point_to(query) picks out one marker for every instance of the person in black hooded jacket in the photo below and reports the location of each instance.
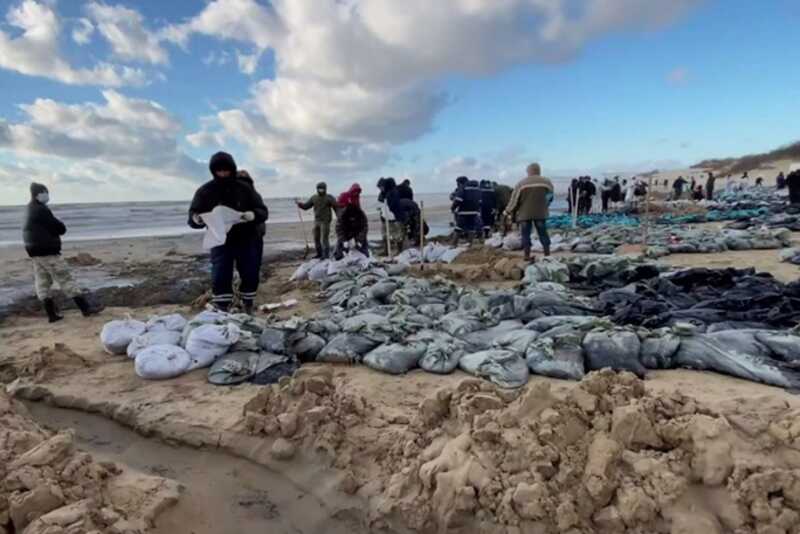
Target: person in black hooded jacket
(244, 245)
(405, 211)
(42, 236)
(404, 190)
(466, 208)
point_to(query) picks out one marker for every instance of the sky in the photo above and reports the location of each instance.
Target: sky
(109, 101)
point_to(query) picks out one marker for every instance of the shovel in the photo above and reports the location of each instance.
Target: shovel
(305, 235)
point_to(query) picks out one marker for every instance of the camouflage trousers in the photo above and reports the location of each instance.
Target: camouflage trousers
(52, 269)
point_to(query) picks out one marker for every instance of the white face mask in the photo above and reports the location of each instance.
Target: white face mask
(44, 198)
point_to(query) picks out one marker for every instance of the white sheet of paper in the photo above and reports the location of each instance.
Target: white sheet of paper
(218, 221)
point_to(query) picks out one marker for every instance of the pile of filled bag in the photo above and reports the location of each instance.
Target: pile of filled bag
(169, 346)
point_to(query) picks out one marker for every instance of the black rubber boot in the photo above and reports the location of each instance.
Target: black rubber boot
(52, 311)
(86, 308)
(248, 306)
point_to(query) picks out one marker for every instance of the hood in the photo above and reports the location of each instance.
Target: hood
(322, 185)
(355, 189)
(462, 180)
(222, 161)
(37, 188)
(245, 177)
(389, 184)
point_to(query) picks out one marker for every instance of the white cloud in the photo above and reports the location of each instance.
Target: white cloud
(82, 32)
(353, 78)
(138, 136)
(35, 52)
(248, 63)
(125, 31)
(239, 20)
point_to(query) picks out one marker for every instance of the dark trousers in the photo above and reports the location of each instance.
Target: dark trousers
(584, 205)
(526, 227)
(605, 196)
(246, 255)
(344, 235)
(468, 226)
(487, 216)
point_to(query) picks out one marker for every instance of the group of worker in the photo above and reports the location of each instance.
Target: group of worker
(476, 206)
(481, 207)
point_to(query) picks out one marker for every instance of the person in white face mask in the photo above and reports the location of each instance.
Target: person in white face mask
(42, 235)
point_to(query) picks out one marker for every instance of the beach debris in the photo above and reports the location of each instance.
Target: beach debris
(272, 306)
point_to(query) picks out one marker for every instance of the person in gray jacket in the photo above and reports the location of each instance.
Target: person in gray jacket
(530, 206)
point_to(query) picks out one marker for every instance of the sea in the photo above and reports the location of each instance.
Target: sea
(160, 219)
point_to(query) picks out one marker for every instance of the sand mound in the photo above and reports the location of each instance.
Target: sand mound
(606, 456)
(49, 487)
(42, 364)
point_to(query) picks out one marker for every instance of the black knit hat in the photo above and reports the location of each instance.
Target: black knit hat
(222, 161)
(37, 188)
(322, 185)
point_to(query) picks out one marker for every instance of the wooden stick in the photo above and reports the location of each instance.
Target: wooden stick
(305, 235)
(388, 234)
(421, 235)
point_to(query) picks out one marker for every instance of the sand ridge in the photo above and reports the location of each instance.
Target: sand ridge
(47, 486)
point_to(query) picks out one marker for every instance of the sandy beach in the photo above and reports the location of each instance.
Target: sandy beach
(380, 460)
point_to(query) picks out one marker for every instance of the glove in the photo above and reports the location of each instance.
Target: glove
(197, 219)
(248, 216)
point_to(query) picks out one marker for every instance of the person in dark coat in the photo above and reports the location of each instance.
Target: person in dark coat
(616, 191)
(488, 206)
(572, 195)
(466, 208)
(677, 187)
(793, 183)
(41, 234)
(605, 193)
(406, 212)
(710, 182)
(351, 222)
(586, 193)
(405, 191)
(780, 181)
(502, 195)
(244, 244)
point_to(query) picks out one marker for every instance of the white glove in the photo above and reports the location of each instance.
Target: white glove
(197, 219)
(248, 216)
